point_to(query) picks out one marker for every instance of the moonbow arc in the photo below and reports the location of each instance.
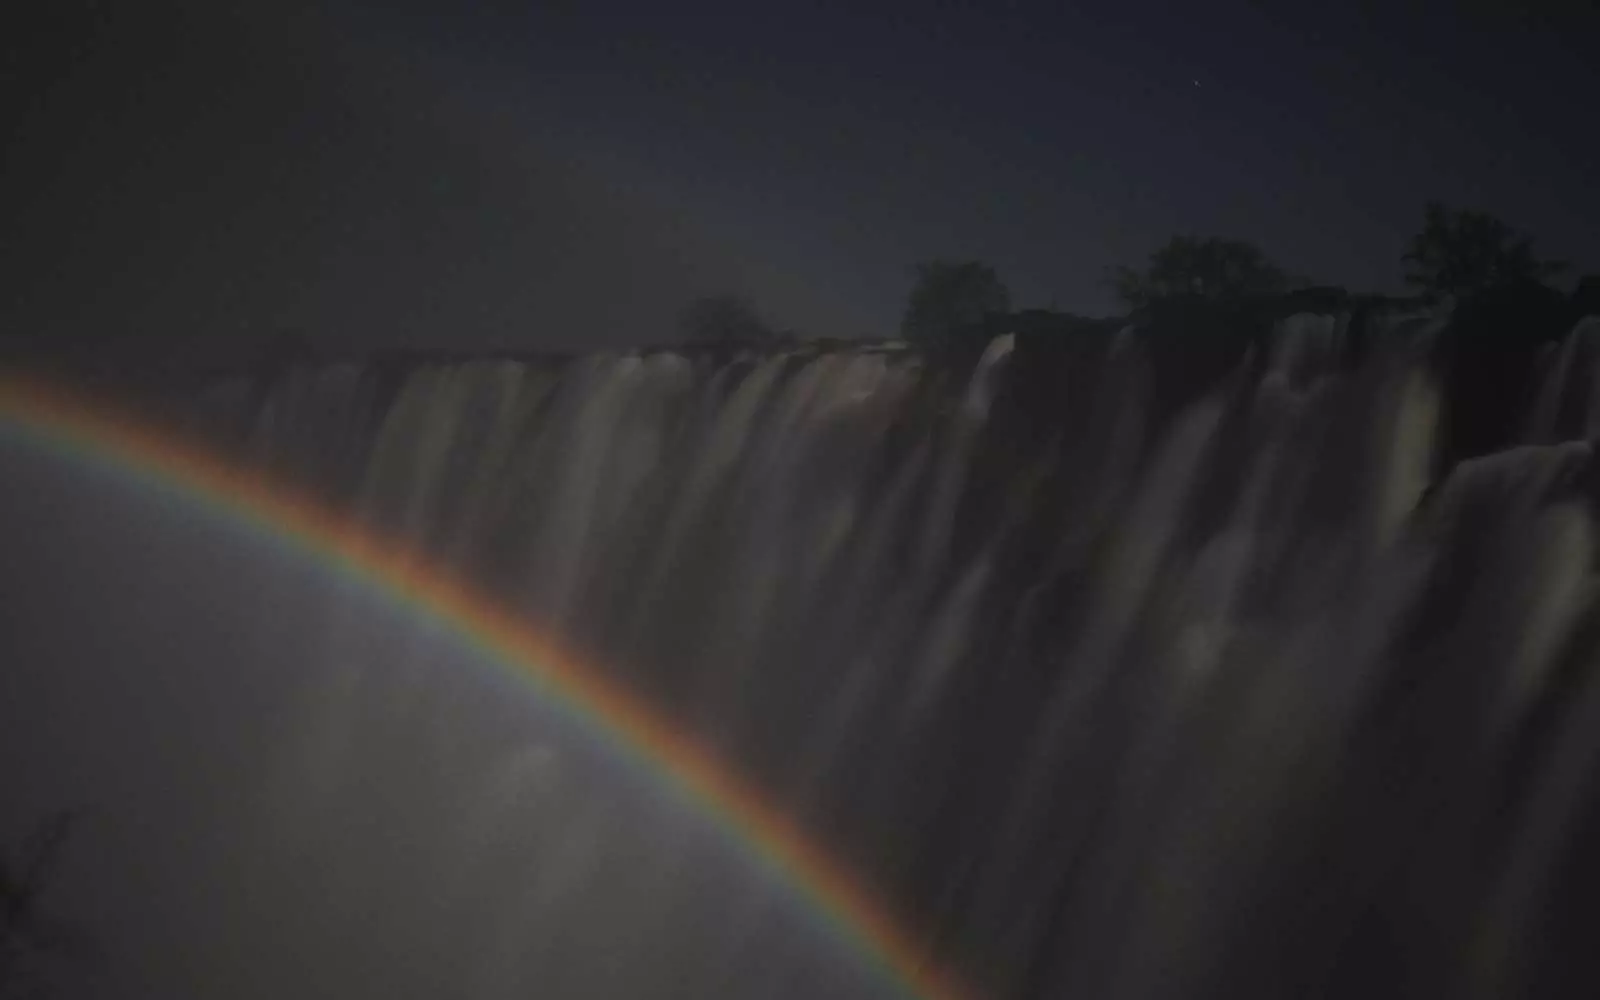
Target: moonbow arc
(66, 423)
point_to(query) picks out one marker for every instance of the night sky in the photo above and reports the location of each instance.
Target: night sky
(566, 175)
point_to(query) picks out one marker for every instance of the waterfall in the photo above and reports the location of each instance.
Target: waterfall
(1241, 692)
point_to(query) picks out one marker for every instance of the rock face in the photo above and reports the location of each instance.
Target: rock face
(1216, 656)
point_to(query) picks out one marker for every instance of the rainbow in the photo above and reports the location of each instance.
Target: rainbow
(70, 424)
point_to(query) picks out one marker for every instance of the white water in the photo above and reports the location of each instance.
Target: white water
(1255, 712)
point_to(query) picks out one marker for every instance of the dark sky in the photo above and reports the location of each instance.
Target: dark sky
(568, 174)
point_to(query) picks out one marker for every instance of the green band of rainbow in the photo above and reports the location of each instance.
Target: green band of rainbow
(67, 423)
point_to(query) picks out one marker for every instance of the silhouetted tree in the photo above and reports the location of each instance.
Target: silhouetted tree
(951, 295)
(285, 350)
(27, 930)
(1208, 268)
(723, 319)
(1462, 252)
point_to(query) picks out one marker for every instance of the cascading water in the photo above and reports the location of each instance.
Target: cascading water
(1218, 694)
